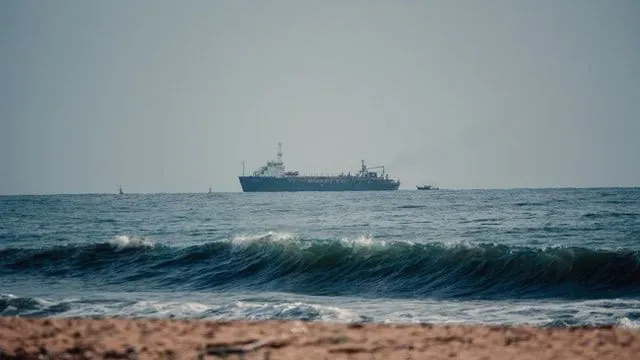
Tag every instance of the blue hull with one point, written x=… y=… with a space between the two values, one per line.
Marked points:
x=316 y=183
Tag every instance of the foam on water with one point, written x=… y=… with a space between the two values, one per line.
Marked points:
x=216 y=310
x=11 y=305
x=125 y=241
x=282 y=306
x=625 y=322
x=271 y=236
x=165 y=309
x=363 y=241
x=282 y=310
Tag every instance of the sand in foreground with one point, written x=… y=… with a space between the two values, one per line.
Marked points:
x=51 y=338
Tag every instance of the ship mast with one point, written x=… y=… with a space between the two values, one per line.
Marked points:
x=279 y=152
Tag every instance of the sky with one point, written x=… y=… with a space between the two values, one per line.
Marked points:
x=167 y=96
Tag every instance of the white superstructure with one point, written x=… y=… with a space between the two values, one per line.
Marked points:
x=273 y=168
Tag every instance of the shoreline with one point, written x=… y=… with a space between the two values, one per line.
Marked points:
x=83 y=338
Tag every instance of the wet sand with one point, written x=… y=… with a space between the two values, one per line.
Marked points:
x=52 y=338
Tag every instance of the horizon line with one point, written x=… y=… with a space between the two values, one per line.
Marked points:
x=354 y=191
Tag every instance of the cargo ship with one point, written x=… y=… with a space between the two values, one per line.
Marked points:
x=274 y=177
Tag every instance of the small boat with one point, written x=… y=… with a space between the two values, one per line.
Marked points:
x=427 y=187
x=210 y=190
x=120 y=192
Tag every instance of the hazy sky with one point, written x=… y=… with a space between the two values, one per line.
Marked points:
x=171 y=96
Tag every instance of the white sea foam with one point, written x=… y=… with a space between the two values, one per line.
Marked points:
x=270 y=236
x=125 y=241
x=166 y=309
x=286 y=310
x=141 y=308
x=236 y=310
x=625 y=322
x=308 y=308
x=362 y=240
x=36 y=300
x=15 y=305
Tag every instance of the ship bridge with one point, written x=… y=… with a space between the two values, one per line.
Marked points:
x=273 y=168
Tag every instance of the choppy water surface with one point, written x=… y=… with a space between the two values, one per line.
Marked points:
x=548 y=257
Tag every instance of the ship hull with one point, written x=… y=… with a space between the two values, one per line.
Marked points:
x=315 y=183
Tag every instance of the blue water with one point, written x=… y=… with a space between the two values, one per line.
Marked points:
x=556 y=257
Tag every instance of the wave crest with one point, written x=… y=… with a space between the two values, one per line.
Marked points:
x=125 y=241
x=270 y=236
x=282 y=262
x=364 y=241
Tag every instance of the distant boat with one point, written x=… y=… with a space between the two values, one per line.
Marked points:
x=427 y=187
x=209 y=189
x=120 y=192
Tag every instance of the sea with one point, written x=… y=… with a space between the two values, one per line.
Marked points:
x=544 y=257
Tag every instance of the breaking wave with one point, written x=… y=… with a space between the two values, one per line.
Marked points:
x=124 y=241
x=362 y=266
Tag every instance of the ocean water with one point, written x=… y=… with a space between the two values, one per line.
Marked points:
x=550 y=257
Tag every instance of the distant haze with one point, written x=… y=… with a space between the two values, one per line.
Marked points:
x=168 y=96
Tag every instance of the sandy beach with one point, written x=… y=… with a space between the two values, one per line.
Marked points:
x=60 y=338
